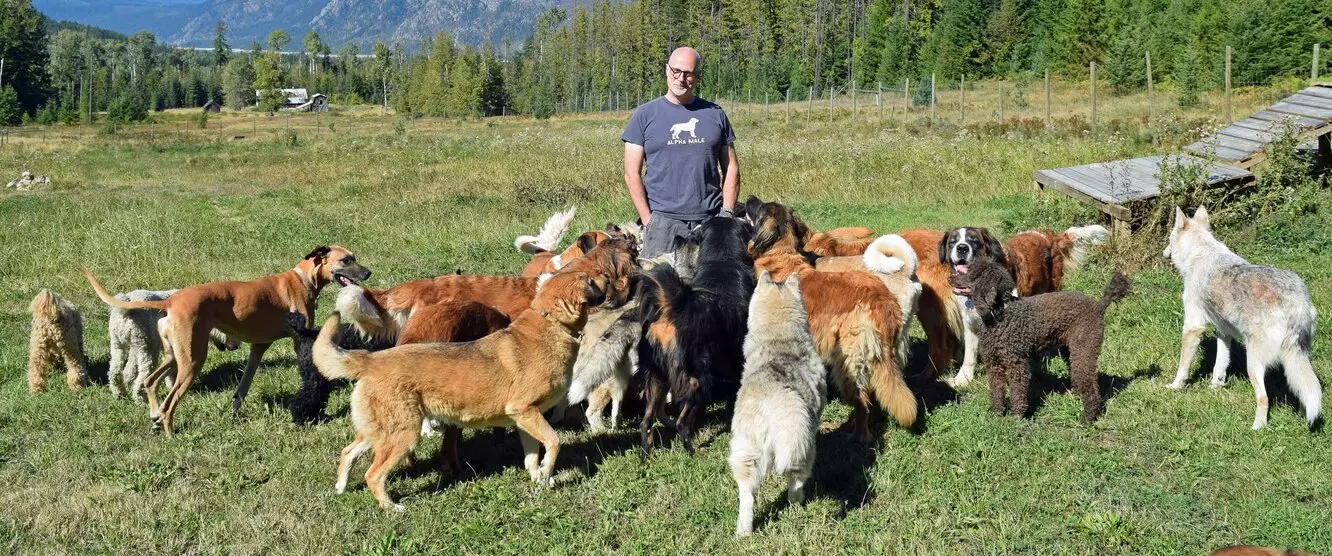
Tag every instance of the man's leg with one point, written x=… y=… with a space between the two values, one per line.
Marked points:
x=659 y=237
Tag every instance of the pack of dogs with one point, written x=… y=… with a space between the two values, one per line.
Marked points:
x=757 y=312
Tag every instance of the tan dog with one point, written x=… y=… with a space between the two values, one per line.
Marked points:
x=380 y=313
x=507 y=378
x=56 y=337
x=253 y=312
x=853 y=316
x=892 y=260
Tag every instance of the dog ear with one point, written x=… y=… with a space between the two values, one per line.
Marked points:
x=943 y=246
x=766 y=235
x=765 y=278
x=793 y=283
x=1180 y=219
x=993 y=247
x=612 y=228
x=798 y=229
x=1201 y=218
x=319 y=252
x=753 y=208
x=587 y=241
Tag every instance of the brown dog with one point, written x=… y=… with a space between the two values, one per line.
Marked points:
x=379 y=313
x=853 y=316
x=253 y=312
x=507 y=378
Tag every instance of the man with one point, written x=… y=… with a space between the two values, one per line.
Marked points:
x=692 y=170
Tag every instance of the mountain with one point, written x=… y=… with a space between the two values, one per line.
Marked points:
x=338 y=22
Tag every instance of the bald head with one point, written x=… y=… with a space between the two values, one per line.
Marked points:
x=685 y=56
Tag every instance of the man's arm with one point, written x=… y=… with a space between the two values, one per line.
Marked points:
x=633 y=180
x=731 y=183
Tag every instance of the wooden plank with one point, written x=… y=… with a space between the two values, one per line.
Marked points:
x=1272 y=116
x=1320 y=114
x=1092 y=179
x=1118 y=212
x=1311 y=101
x=1236 y=143
x=1261 y=126
x=1320 y=92
x=1247 y=134
x=1127 y=181
x=1224 y=153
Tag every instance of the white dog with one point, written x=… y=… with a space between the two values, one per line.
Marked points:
x=136 y=344
x=682 y=127
x=781 y=398
x=1268 y=307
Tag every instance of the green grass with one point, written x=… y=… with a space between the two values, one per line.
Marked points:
x=1161 y=472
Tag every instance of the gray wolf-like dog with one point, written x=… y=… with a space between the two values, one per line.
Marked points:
x=782 y=393
x=1268 y=308
x=57 y=336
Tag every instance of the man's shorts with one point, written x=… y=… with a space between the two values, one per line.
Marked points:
x=659 y=237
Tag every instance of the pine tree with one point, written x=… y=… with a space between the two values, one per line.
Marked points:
x=221 y=50
x=1186 y=76
x=1125 y=69
x=1082 y=29
x=23 y=47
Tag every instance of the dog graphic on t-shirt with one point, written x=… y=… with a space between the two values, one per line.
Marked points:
x=682 y=127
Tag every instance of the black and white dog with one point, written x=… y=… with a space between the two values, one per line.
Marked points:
x=957 y=248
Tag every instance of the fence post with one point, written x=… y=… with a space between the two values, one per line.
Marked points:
x=1313 y=71
x=932 y=99
x=788 y=105
x=1151 y=93
x=1228 y=117
x=765 y=107
x=906 y=92
x=1093 y=99
x=809 y=113
x=855 y=107
x=832 y=92
x=1047 y=99
x=963 y=120
x=1001 y=101
x=878 y=98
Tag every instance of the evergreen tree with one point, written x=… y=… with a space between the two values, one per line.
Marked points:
x=23 y=48
x=1125 y=69
x=221 y=50
x=238 y=83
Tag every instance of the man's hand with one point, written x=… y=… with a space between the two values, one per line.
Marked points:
x=728 y=212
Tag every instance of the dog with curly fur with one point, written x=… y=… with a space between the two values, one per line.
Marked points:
x=1014 y=332
x=57 y=336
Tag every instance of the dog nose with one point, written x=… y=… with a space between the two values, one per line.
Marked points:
x=963 y=249
x=368 y=272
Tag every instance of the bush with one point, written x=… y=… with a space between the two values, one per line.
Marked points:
x=47 y=114
x=127 y=108
x=202 y=120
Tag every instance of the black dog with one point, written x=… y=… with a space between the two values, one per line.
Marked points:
x=693 y=333
x=312 y=397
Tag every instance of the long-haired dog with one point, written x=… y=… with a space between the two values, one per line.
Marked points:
x=460 y=321
x=1038 y=259
x=781 y=398
x=56 y=337
x=136 y=344
x=507 y=378
x=890 y=259
x=607 y=357
x=1016 y=331
x=693 y=333
x=853 y=316
x=1269 y=308
x=380 y=313
x=254 y=312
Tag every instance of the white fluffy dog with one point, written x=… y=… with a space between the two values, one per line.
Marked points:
x=136 y=344
x=782 y=393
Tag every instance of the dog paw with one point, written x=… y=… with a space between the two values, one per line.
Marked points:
x=1217 y=384
x=1177 y=385
x=340 y=488
x=397 y=508
x=959 y=381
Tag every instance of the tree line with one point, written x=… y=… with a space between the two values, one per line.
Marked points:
x=607 y=54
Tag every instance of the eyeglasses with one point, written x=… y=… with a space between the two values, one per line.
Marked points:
x=678 y=73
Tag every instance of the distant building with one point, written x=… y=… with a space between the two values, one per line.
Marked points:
x=299 y=100
x=212 y=107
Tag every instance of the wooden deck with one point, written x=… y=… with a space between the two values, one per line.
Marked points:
x=1112 y=186
x=1242 y=143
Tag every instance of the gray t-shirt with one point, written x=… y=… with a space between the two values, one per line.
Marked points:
x=684 y=145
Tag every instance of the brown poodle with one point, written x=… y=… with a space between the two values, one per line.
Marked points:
x=1016 y=331
x=57 y=335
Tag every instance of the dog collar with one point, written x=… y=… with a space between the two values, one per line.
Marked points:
x=969 y=304
x=305 y=279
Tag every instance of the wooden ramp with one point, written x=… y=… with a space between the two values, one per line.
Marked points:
x=1114 y=186
x=1242 y=143
x=1227 y=156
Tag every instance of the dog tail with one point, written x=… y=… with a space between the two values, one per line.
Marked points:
x=551 y=233
x=889 y=254
x=332 y=361
x=1300 y=376
x=1077 y=241
x=1118 y=288
x=366 y=314
x=46 y=306
x=112 y=301
x=893 y=393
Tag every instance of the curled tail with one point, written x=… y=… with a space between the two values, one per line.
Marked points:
x=332 y=361
x=1117 y=289
x=1075 y=242
x=112 y=301
x=366 y=314
x=889 y=254
x=551 y=233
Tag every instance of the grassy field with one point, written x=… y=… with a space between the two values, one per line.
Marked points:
x=169 y=205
